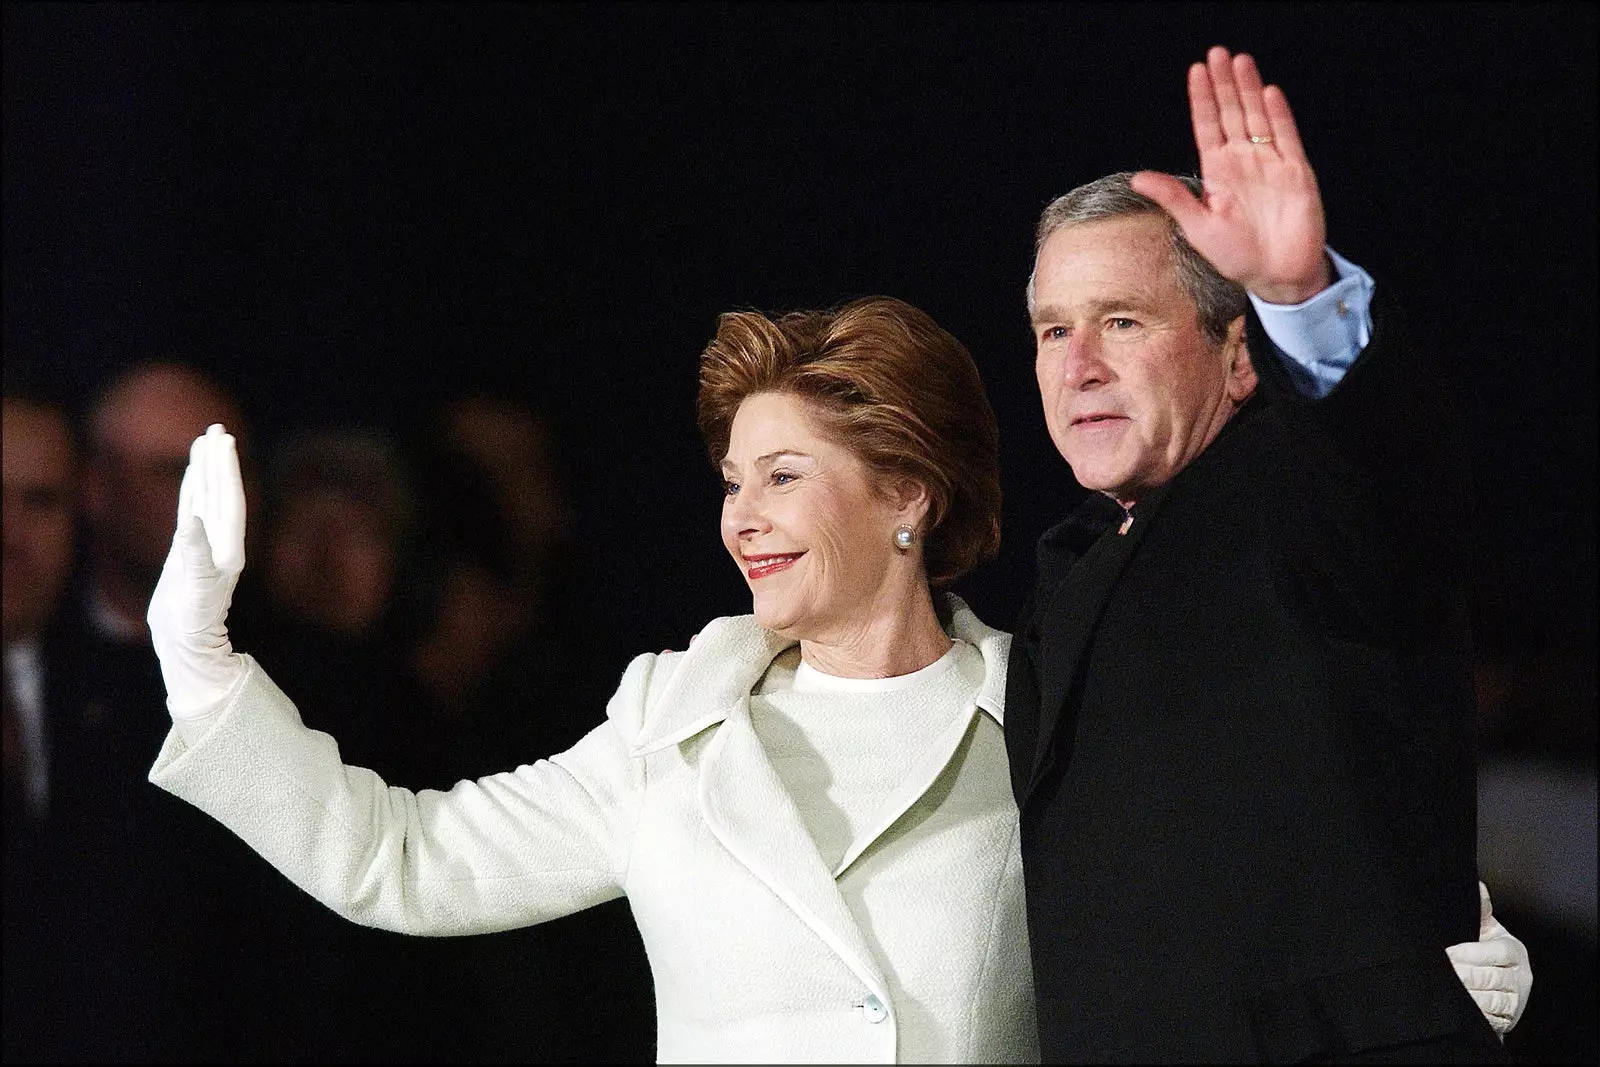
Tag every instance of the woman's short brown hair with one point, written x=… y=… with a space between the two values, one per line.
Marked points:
x=889 y=384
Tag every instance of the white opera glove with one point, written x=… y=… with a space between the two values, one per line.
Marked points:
x=1494 y=968
x=190 y=605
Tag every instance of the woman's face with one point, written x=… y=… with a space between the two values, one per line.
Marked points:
x=802 y=520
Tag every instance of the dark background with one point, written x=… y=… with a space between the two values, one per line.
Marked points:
x=344 y=210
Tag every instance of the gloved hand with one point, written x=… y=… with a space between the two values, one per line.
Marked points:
x=190 y=605
x=1494 y=968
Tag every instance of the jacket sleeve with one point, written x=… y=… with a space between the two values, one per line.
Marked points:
x=1376 y=498
x=508 y=850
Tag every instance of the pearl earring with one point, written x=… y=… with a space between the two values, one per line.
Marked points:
x=903 y=536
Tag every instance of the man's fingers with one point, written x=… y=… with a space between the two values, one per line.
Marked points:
x=1172 y=195
x=1248 y=80
x=1203 y=110
x=1220 y=66
x=1285 y=134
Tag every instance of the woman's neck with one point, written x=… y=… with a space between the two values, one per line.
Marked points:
x=884 y=645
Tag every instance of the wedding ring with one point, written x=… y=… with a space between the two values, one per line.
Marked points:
x=1256 y=138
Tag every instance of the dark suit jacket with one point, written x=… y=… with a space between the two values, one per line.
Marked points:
x=1239 y=737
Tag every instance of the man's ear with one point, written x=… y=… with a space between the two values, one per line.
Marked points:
x=1242 y=380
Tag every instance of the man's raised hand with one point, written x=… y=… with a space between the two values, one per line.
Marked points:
x=1261 y=221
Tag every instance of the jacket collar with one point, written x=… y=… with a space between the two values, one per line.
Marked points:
x=727 y=659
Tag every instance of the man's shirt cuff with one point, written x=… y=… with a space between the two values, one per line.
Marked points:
x=1321 y=338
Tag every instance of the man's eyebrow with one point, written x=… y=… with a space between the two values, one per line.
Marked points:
x=1048 y=313
x=1053 y=313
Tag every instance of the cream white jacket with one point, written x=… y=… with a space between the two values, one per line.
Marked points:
x=914 y=950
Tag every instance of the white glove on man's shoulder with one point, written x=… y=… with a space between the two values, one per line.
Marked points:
x=1495 y=968
x=190 y=605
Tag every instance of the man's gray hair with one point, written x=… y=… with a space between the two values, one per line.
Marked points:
x=1218 y=300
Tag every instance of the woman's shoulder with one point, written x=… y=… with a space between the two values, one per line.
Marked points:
x=722 y=662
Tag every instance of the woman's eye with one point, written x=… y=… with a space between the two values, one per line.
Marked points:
x=729 y=488
x=782 y=477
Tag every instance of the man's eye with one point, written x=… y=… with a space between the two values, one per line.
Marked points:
x=1120 y=323
x=1055 y=333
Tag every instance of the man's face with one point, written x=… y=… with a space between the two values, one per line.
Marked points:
x=1132 y=388
x=38 y=509
x=142 y=442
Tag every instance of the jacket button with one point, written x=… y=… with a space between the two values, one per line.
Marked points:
x=872 y=1009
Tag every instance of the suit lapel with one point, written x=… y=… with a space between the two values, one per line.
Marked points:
x=1075 y=588
x=746 y=807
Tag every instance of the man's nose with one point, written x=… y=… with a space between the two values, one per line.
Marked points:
x=1083 y=364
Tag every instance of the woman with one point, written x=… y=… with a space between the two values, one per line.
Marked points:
x=809 y=809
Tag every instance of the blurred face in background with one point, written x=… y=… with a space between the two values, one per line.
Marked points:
x=809 y=527
x=142 y=431
x=513 y=447
x=38 y=512
x=331 y=562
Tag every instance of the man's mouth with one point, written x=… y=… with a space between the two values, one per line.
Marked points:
x=761 y=566
x=1097 y=418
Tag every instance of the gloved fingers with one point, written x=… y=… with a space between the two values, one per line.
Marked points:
x=199 y=460
x=1487 y=979
x=195 y=548
x=186 y=490
x=224 y=511
x=1496 y=952
x=1485 y=908
x=1499 y=1007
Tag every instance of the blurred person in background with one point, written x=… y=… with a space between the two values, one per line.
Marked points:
x=338 y=560
x=40 y=522
x=402 y=606
x=506 y=657
x=135 y=982
x=497 y=523
x=40 y=480
x=140 y=427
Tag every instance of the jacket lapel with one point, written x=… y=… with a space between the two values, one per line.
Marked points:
x=746 y=807
x=1076 y=581
x=994 y=646
x=923 y=775
x=742 y=799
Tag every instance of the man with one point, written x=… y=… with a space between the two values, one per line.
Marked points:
x=140 y=430
x=40 y=470
x=162 y=954
x=39 y=482
x=1239 y=715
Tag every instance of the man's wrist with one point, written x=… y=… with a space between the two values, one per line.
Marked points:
x=1289 y=294
x=1292 y=293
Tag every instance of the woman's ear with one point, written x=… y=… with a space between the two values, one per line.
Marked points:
x=910 y=498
